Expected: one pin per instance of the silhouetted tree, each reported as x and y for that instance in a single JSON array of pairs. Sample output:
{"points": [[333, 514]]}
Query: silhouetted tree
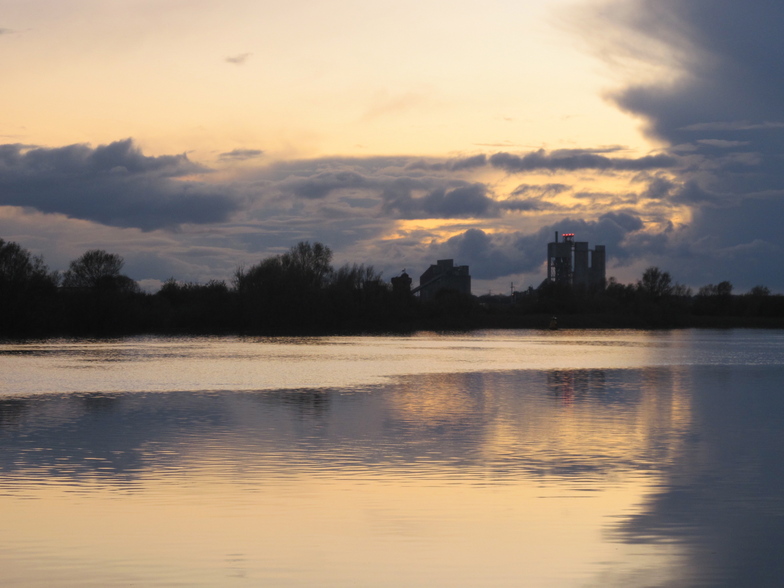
{"points": [[287, 291], [714, 299], [760, 291], [97, 269], [655, 283], [98, 298], [18, 266], [195, 307], [308, 264], [27, 289]]}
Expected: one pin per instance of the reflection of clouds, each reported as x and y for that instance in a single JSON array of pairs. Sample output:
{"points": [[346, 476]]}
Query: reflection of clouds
{"points": [[601, 421], [723, 495], [502, 423], [439, 400]]}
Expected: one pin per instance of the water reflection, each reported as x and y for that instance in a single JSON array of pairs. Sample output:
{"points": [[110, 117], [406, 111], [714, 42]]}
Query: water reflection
{"points": [[722, 499], [503, 423], [660, 475]]}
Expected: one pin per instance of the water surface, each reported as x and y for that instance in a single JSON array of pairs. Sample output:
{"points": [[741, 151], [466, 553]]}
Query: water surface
{"points": [[497, 458]]}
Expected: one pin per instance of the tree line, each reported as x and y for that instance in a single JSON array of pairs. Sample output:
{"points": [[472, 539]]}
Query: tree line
{"points": [[301, 292], [653, 301]]}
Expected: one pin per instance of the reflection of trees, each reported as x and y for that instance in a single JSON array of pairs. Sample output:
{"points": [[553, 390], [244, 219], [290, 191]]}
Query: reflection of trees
{"points": [[11, 411], [111, 437], [306, 403], [500, 423], [100, 402]]}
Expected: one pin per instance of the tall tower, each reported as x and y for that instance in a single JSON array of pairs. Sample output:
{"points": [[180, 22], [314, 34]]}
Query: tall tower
{"points": [[573, 263], [559, 259]]}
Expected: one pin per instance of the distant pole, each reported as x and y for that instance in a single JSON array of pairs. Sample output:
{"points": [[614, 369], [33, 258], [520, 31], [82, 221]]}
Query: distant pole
{"points": [[511, 289]]}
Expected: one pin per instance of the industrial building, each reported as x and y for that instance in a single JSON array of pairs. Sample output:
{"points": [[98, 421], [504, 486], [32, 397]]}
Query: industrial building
{"points": [[401, 285], [572, 262], [444, 275]]}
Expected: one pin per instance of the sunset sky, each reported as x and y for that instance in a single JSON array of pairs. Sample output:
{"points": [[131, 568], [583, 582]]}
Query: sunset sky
{"points": [[191, 136]]}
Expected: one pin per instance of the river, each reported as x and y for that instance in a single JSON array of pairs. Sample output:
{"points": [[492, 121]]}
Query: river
{"points": [[491, 458]]}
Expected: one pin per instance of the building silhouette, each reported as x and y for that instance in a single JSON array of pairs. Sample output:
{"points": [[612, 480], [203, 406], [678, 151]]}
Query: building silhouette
{"points": [[444, 275], [573, 263], [401, 285]]}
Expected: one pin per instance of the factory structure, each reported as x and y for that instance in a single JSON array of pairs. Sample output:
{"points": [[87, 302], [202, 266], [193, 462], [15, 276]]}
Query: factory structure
{"points": [[571, 262], [444, 275]]}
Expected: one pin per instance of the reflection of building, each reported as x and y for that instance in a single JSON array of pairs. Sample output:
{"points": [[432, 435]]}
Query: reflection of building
{"points": [[445, 275], [570, 262]]}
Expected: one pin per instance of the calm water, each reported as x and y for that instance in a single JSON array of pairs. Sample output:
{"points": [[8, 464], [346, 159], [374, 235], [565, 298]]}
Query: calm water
{"points": [[528, 458]]}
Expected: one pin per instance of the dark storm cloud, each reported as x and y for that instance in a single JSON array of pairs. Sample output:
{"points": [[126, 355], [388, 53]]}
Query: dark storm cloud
{"points": [[576, 159], [559, 160], [396, 191], [728, 54], [241, 154], [322, 184], [113, 184], [540, 190], [733, 126], [487, 258], [721, 103], [468, 201]]}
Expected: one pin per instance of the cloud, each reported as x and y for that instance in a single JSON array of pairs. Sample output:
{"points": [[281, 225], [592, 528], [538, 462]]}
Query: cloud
{"points": [[722, 144], [321, 185], [713, 91], [355, 205], [240, 59], [467, 201], [486, 256], [114, 184], [241, 154], [540, 190], [733, 126], [559, 160], [577, 159]]}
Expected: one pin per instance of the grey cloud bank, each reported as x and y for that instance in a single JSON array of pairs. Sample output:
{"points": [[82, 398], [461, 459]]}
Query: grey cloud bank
{"points": [[111, 184], [723, 107], [352, 204]]}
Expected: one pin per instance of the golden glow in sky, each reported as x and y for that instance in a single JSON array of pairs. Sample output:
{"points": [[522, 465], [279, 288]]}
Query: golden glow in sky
{"points": [[303, 78]]}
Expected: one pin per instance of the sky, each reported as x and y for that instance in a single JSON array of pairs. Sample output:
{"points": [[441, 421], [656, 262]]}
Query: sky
{"points": [[193, 137]]}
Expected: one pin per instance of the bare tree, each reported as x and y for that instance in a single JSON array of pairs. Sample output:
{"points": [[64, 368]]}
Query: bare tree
{"points": [[97, 268], [655, 283]]}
